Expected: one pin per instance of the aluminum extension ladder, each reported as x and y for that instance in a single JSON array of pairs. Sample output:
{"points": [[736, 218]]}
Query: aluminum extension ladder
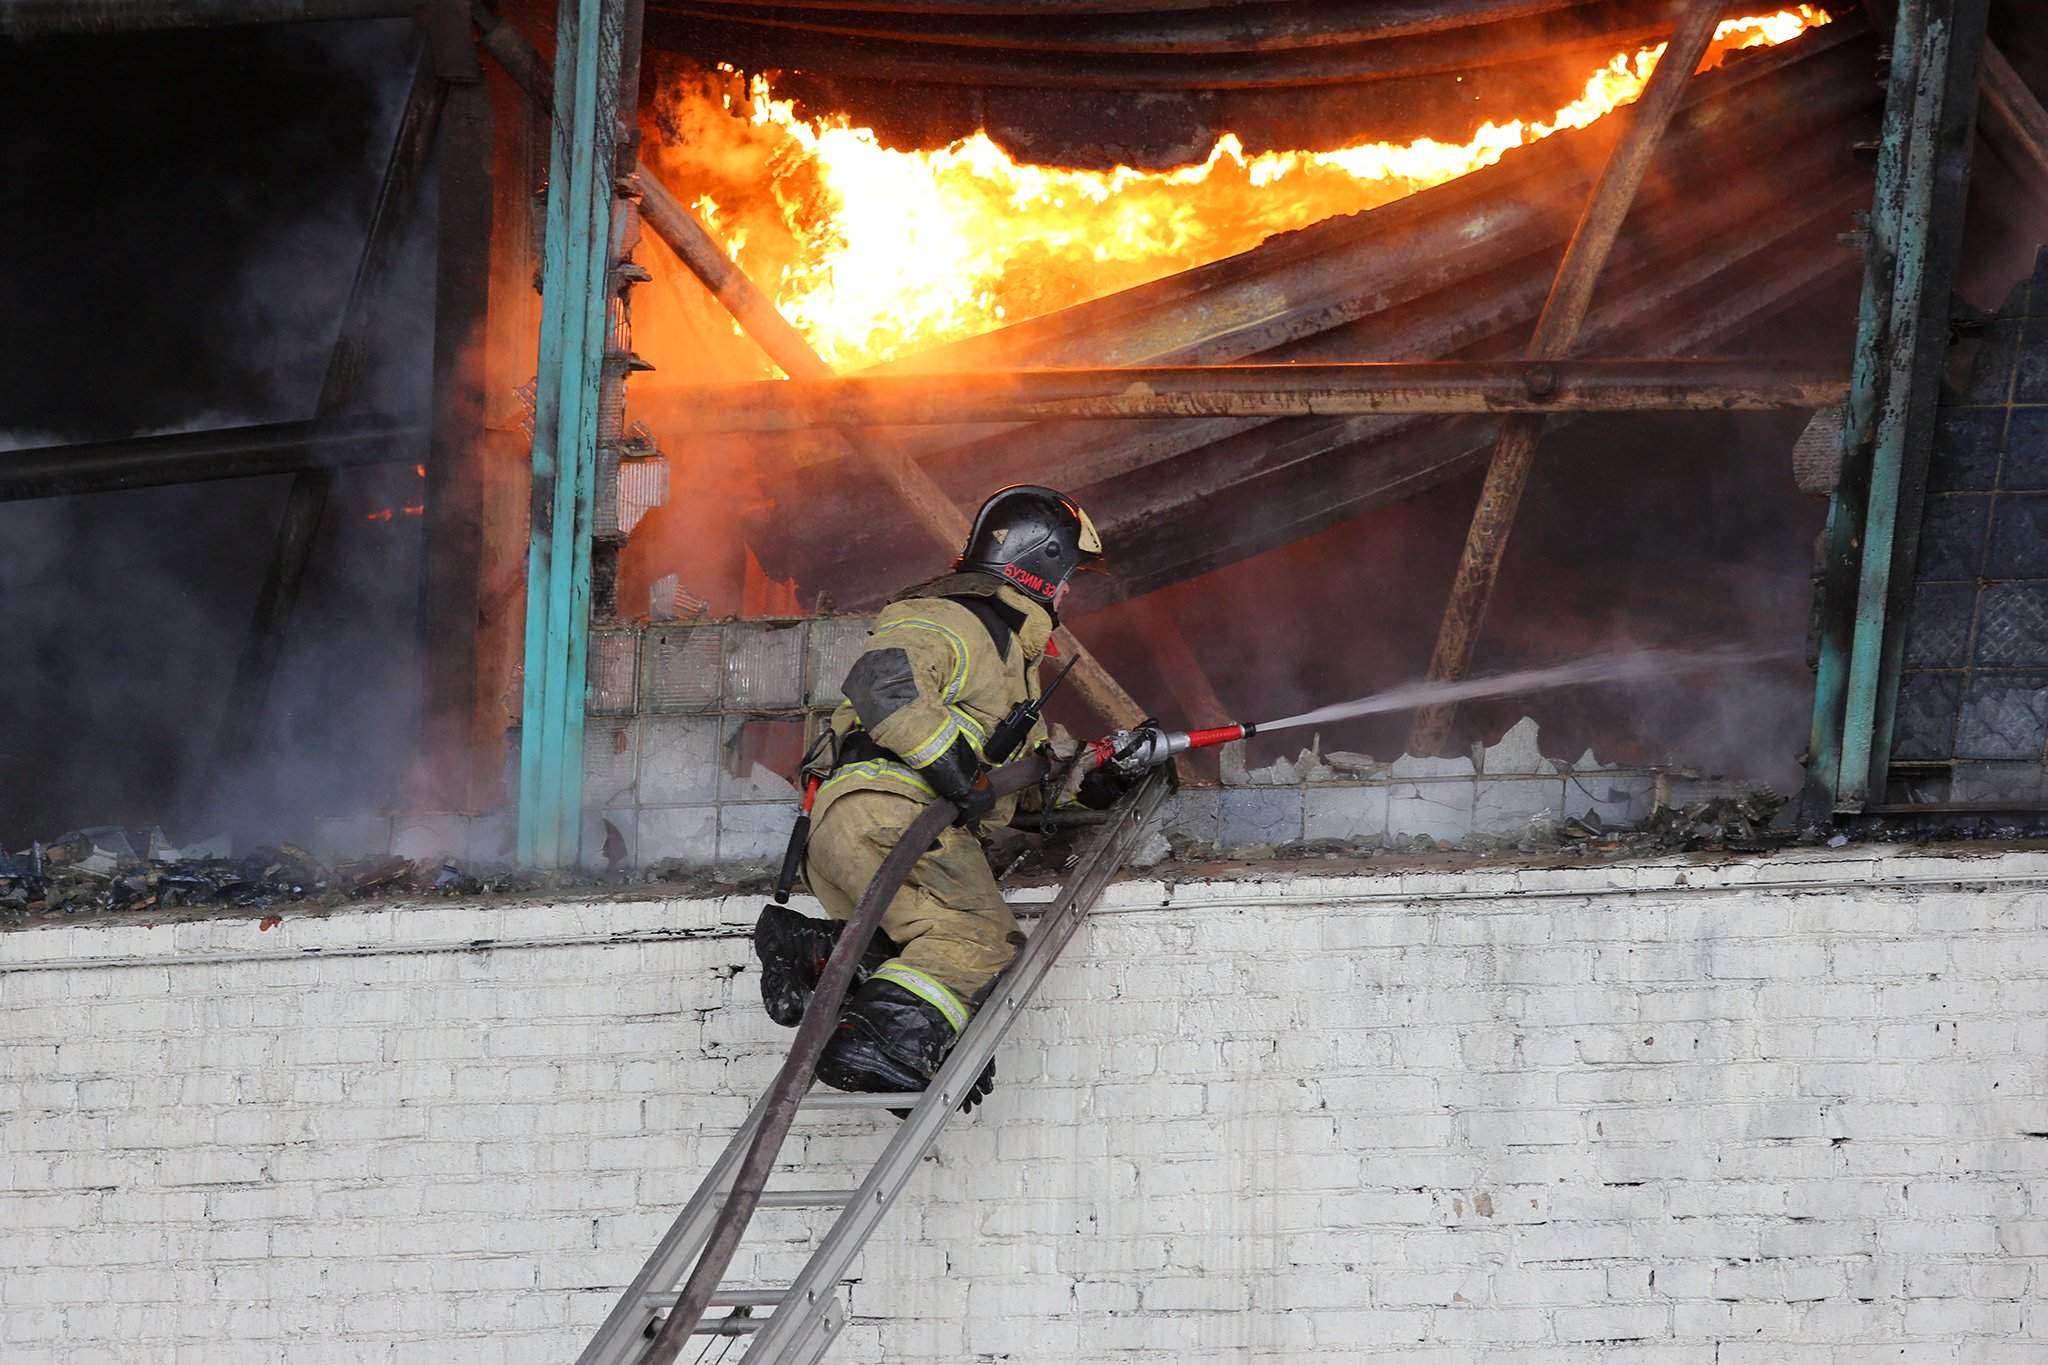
{"points": [[809, 1313]]}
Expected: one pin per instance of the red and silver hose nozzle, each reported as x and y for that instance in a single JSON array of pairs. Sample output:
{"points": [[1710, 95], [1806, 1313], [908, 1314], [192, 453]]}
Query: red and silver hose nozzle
{"points": [[1148, 746]]}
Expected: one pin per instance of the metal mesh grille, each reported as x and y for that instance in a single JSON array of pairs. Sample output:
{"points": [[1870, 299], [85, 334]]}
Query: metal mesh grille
{"points": [[1817, 456]]}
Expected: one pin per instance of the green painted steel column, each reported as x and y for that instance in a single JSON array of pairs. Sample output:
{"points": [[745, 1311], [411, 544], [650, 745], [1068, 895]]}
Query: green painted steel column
{"points": [[1843, 535], [589, 39], [1916, 229], [1954, 142], [1880, 514]]}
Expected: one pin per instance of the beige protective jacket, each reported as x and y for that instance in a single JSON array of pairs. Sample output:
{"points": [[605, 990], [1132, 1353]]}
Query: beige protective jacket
{"points": [[933, 672]]}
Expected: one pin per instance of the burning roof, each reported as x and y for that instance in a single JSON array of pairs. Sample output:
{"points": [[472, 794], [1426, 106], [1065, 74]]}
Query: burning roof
{"points": [[876, 251], [1737, 222]]}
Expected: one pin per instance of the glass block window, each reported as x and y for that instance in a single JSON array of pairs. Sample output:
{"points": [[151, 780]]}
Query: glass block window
{"points": [[684, 668], [764, 665]]}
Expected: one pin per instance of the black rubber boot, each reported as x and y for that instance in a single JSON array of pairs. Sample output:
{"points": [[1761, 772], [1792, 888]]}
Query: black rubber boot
{"points": [[887, 1039], [793, 949]]}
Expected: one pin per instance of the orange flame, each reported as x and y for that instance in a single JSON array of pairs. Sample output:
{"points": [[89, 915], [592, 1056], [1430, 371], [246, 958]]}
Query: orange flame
{"points": [[874, 253]]}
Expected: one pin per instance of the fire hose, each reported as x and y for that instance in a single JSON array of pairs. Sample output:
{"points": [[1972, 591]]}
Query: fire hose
{"points": [[801, 1065]]}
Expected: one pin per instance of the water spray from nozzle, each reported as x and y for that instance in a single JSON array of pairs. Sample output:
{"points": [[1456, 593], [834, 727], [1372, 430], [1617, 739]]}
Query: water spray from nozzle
{"points": [[1149, 745]]}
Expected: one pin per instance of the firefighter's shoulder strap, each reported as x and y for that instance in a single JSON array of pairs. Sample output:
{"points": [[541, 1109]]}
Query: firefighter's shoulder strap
{"points": [[999, 618], [977, 593]]}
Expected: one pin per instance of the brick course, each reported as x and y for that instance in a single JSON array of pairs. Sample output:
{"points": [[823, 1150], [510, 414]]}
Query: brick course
{"points": [[1776, 1109]]}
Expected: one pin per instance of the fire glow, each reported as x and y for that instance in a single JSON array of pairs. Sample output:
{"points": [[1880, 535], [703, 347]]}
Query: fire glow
{"points": [[875, 253]]}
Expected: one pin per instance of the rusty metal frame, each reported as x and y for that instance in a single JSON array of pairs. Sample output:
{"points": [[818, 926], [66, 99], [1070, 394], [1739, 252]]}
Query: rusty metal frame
{"points": [[1556, 331], [1268, 391]]}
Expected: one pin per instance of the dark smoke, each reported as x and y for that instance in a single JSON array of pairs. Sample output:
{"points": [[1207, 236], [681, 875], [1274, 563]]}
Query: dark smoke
{"points": [[186, 219]]}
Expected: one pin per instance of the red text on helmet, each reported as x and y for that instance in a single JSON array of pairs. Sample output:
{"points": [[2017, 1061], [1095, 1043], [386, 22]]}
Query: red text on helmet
{"points": [[1027, 580]]}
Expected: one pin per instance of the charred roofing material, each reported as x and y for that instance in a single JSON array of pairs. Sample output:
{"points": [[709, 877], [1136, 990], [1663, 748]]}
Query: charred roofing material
{"points": [[1455, 272]]}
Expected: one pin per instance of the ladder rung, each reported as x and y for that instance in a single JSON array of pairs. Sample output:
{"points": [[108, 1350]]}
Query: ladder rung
{"points": [[833, 1099], [722, 1298], [735, 1325], [728, 1327], [719, 1298], [806, 1199]]}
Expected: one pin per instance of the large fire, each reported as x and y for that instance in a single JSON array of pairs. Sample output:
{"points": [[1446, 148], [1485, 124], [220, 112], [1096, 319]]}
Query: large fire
{"points": [[874, 253]]}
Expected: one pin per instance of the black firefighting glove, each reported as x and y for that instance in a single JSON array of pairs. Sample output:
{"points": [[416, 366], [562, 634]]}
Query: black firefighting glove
{"points": [[961, 777], [979, 1091], [1105, 786], [1075, 783]]}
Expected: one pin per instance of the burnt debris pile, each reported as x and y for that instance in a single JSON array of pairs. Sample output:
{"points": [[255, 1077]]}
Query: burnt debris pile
{"points": [[111, 869]]}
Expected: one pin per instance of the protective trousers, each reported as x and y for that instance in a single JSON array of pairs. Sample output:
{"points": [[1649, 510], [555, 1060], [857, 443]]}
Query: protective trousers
{"points": [[950, 920]]}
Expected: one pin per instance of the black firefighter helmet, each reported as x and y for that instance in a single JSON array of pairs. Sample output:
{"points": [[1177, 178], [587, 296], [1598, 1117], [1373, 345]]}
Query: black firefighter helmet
{"points": [[1034, 537]]}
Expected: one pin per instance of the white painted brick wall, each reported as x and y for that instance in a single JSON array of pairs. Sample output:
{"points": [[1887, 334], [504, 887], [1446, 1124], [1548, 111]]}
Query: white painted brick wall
{"points": [[1789, 1109]]}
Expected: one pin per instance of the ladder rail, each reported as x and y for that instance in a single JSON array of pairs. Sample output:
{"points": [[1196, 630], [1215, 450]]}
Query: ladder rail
{"points": [[790, 1336], [623, 1333], [800, 1067], [811, 1310]]}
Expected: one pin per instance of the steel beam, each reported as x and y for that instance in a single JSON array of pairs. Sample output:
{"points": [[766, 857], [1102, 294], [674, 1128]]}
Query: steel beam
{"points": [[576, 263], [1202, 391], [200, 456], [39, 18], [1557, 331], [1336, 291]]}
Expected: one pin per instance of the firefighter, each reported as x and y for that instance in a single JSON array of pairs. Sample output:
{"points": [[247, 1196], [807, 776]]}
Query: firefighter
{"points": [[944, 664]]}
